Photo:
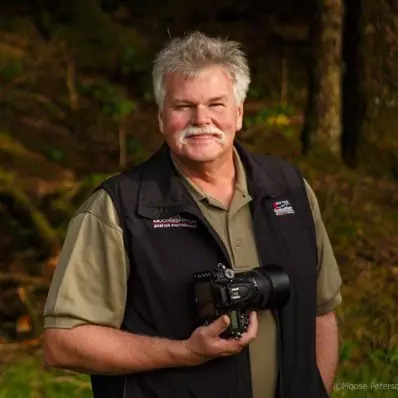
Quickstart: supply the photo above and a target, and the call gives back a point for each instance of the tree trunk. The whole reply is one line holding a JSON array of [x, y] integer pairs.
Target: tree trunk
[[353, 104], [323, 114], [42, 18], [370, 138]]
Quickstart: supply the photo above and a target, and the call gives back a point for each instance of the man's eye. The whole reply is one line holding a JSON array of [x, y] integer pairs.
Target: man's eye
[[183, 106], [216, 104]]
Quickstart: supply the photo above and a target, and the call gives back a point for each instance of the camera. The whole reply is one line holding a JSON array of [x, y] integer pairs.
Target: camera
[[222, 291]]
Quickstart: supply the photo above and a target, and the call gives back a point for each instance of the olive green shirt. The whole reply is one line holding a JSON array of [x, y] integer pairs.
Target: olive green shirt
[[90, 282]]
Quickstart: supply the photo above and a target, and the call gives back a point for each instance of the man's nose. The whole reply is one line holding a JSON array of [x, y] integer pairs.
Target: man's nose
[[200, 116]]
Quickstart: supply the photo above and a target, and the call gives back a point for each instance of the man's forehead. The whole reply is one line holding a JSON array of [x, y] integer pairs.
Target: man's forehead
[[198, 74]]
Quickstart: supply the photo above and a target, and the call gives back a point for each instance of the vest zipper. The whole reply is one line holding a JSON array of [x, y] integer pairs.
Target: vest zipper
[[279, 385]]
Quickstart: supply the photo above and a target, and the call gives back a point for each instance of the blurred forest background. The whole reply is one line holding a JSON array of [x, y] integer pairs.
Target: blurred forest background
[[76, 106]]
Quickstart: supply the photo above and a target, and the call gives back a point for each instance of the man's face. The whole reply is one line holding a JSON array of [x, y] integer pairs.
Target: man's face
[[200, 115]]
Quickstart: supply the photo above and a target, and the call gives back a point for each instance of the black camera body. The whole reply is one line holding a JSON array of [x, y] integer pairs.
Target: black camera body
[[222, 292]]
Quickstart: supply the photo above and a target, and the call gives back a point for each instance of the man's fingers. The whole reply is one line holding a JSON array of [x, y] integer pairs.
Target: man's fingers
[[218, 326], [253, 322], [251, 332]]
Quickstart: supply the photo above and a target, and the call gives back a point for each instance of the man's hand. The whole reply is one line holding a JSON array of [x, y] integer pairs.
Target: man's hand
[[205, 342]]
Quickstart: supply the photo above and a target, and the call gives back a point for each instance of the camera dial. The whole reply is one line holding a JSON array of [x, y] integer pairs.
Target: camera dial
[[229, 273]]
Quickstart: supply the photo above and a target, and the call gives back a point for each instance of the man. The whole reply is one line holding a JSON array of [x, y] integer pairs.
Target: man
[[120, 305]]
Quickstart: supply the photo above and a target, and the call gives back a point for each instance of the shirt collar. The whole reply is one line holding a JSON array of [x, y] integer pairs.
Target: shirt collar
[[240, 185]]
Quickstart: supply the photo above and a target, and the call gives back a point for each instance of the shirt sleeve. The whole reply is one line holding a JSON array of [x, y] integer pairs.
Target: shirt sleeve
[[329, 279], [89, 285]]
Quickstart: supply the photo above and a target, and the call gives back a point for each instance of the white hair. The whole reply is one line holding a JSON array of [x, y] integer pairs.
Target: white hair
[[189, 55]]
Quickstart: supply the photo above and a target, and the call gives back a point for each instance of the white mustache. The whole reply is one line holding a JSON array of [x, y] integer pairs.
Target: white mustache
[[191, 131]]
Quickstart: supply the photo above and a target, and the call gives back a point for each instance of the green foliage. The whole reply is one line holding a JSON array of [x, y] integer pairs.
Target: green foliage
[[11, 145], [387, 356], [131, 61], [373, 377], [346, 350], [92, 180], [54, 154], [254, 92], [279, 109], [370, 317], [137, 150], [134, 62], [124, 108], [272, 116], [11, 69], [110, 98], [29, 379], [148, 97], [98, 91]]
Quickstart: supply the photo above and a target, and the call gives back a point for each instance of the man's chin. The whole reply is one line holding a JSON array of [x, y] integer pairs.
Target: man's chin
[[202, 154], [203, 157]]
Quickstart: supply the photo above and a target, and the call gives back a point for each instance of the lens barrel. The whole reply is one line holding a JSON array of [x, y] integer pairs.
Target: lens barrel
[[273, 285]]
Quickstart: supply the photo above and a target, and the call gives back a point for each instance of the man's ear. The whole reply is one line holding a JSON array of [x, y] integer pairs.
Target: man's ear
[[239, 117], [160, 120]]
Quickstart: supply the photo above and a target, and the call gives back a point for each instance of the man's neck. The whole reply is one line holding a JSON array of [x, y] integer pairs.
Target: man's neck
[[216, 179]]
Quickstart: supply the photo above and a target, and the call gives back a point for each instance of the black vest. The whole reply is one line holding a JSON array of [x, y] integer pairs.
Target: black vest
[[168, 239]]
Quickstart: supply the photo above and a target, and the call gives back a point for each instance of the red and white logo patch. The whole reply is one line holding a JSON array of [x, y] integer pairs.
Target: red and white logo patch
[[283, 207]]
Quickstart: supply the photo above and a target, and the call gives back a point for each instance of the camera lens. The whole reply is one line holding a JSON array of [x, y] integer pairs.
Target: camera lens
[[273, 287]]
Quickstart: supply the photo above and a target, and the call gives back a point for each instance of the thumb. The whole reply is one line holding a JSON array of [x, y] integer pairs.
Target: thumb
[[218, 326]]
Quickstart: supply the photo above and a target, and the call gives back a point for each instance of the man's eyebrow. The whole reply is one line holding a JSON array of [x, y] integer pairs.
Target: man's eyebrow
[[185, 101], [220, 98]]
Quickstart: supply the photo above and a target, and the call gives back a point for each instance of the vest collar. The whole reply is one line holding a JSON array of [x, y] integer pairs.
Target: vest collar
[[162, 194], [260, 182]]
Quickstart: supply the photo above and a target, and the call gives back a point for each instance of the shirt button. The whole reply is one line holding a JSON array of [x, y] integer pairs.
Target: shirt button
[[237, 244]]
